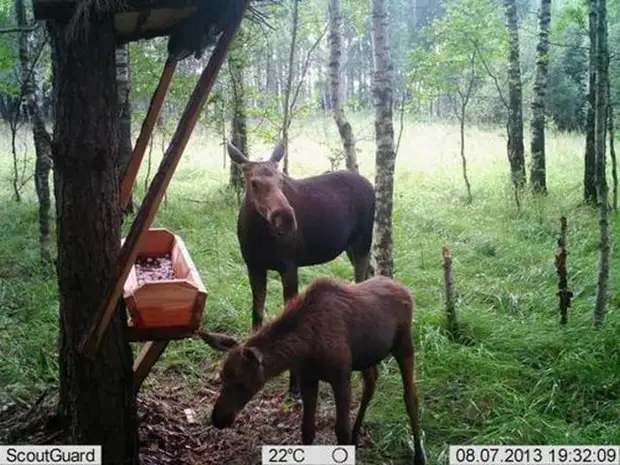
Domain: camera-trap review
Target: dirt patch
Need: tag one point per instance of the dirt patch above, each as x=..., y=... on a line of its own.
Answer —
x=166, y=435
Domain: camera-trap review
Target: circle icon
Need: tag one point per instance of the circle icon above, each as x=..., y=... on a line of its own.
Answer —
x=340, y=455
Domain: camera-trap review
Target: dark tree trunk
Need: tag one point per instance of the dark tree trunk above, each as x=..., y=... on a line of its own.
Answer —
x=612, y=154
x=538, y=172
x=335, y=73
x=384, y=133
x=589, y=173
x=123, y=81
x=31, y=91
x=600, y=133
x=515, y=147
x=236, y=63
x=97, y=393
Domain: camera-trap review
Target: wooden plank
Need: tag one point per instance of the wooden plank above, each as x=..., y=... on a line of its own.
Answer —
x=91, y=340
x=146, y=131
x=143, y=365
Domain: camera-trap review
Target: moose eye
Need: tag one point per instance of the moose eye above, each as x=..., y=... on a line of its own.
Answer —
x=254, y=184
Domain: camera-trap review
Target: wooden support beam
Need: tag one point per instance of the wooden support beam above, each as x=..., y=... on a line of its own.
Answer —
x=129, y=251
x=149, y=355
x=146, y=131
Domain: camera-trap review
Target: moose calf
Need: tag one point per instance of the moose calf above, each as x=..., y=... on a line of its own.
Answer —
x=324, y=334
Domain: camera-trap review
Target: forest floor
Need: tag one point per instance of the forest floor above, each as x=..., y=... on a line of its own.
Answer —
x=519, y=377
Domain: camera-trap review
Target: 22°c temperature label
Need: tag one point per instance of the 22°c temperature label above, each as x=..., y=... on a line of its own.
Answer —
x=308, y=455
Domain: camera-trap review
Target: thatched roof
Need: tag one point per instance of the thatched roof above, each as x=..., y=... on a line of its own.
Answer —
x=191, y=24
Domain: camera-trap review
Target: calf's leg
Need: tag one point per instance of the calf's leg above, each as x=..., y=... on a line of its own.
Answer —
x=370, y=383
x=342, y=396
x=258, y=283
x=309, y=387
x=290, y=286
x=404, y=354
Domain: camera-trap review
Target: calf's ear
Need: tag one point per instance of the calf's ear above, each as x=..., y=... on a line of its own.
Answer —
x=218, y=341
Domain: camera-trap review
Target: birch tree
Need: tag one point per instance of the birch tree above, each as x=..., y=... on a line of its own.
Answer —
x=600, y=134
x=337, y=90
x=515, y=147
x=384, y=134
x=538, y=173
x=31, y=93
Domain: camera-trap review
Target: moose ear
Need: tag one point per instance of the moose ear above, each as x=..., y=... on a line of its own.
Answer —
x=236, y=155
x=252, y=354
x=218, y=341
x=278, y=152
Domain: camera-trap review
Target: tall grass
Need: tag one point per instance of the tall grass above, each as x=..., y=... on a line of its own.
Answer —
x=520, y=379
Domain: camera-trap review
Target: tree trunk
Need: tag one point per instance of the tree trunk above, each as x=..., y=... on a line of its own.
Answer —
x=612, y=152
x=236, y=63
x=538, y=169
x=589, y=173
x=31, y=91
x=600, y=133
x=384, y=133
x=97, y=393
x=461, y=119
x=286, y=123
x=515, y=148
x=123, y=81
x=335, y=74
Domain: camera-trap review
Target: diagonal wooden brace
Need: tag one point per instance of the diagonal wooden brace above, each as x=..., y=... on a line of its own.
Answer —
x=129, y=251
x=146, y=131
x=150, y=353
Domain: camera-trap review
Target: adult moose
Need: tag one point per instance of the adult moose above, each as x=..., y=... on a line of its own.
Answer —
x=326, y=332
x=287, y=223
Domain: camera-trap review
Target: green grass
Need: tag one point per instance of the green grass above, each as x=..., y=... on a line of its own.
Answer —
x=520, y=379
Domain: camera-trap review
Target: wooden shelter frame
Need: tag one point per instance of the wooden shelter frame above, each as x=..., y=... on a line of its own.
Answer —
x=157, y=339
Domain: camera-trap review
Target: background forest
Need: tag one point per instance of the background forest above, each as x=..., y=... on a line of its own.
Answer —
x=494, y=130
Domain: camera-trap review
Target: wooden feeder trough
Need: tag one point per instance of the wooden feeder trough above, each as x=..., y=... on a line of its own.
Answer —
x=163, y=293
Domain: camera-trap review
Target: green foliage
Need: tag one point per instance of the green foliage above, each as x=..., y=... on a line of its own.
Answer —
x=445, y=60
x=568, y=81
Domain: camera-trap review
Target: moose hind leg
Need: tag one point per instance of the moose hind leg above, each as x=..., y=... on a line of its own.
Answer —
x=290, y=286
x=404, y=355
x=258, y=283
x=360, y=259
x=342, y=396
x=370, y=383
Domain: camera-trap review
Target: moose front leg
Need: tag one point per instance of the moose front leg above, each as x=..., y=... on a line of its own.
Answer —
x=290, y=285
x=258, y=283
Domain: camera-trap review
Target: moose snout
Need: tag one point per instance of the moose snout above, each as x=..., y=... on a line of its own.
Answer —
x=283, y=221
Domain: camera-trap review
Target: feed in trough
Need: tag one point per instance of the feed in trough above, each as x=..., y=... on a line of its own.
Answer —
x=154, y=269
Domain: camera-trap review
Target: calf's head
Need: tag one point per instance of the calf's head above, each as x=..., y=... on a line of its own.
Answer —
x=263, y=182
x=242, y=376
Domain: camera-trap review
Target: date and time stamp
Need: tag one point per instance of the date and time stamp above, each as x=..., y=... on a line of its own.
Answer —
x=458, y=455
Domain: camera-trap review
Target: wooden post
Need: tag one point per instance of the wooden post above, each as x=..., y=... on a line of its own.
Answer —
x=129, y=252
x=149, y=354
x=449, y=286
x=560, y=267
x=146, y=131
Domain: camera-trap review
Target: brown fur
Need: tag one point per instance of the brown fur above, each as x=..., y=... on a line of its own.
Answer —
x=287, y=223
x=325, y=334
